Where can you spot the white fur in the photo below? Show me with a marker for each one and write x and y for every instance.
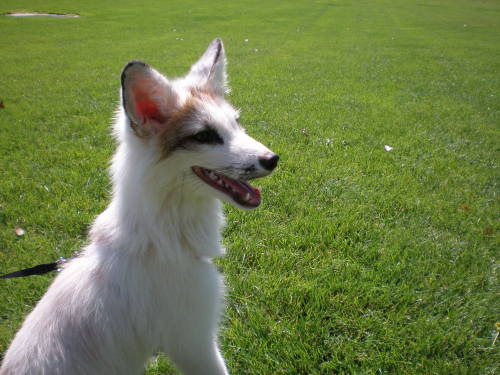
(145, 282)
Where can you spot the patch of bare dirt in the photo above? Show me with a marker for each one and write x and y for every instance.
(35, 14)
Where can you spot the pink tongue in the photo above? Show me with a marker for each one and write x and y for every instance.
(242, 188)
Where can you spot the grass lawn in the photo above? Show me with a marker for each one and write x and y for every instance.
(360, 260)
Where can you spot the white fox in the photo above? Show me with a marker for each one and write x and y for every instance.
(145, 282)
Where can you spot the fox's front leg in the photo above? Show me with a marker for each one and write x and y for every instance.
(192, 339)
(196, 358)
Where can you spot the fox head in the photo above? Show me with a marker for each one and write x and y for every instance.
(188, 135)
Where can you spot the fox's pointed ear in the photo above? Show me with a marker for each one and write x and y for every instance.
(210, 70)
(147, 98)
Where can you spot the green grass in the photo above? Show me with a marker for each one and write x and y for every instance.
(360, 261)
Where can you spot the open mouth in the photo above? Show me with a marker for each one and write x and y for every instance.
(241, 191)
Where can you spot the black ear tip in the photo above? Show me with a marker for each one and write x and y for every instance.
(134, 63)
(217, 42)
(130, 65)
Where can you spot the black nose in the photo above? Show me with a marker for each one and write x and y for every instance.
(269, 163)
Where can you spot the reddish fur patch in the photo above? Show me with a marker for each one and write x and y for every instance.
(176, 127)
(204, 94)
(173, 127)
(187, 111)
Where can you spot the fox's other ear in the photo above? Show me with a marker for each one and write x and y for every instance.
(210, 70)
(147, 98)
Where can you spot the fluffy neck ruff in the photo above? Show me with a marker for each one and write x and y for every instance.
(154, 212)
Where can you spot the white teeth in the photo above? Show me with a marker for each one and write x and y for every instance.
(210, 174)
(228, 187)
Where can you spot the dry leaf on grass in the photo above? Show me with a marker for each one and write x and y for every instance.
(465, 207)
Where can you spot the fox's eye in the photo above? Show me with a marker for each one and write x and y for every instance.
(208, 136)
